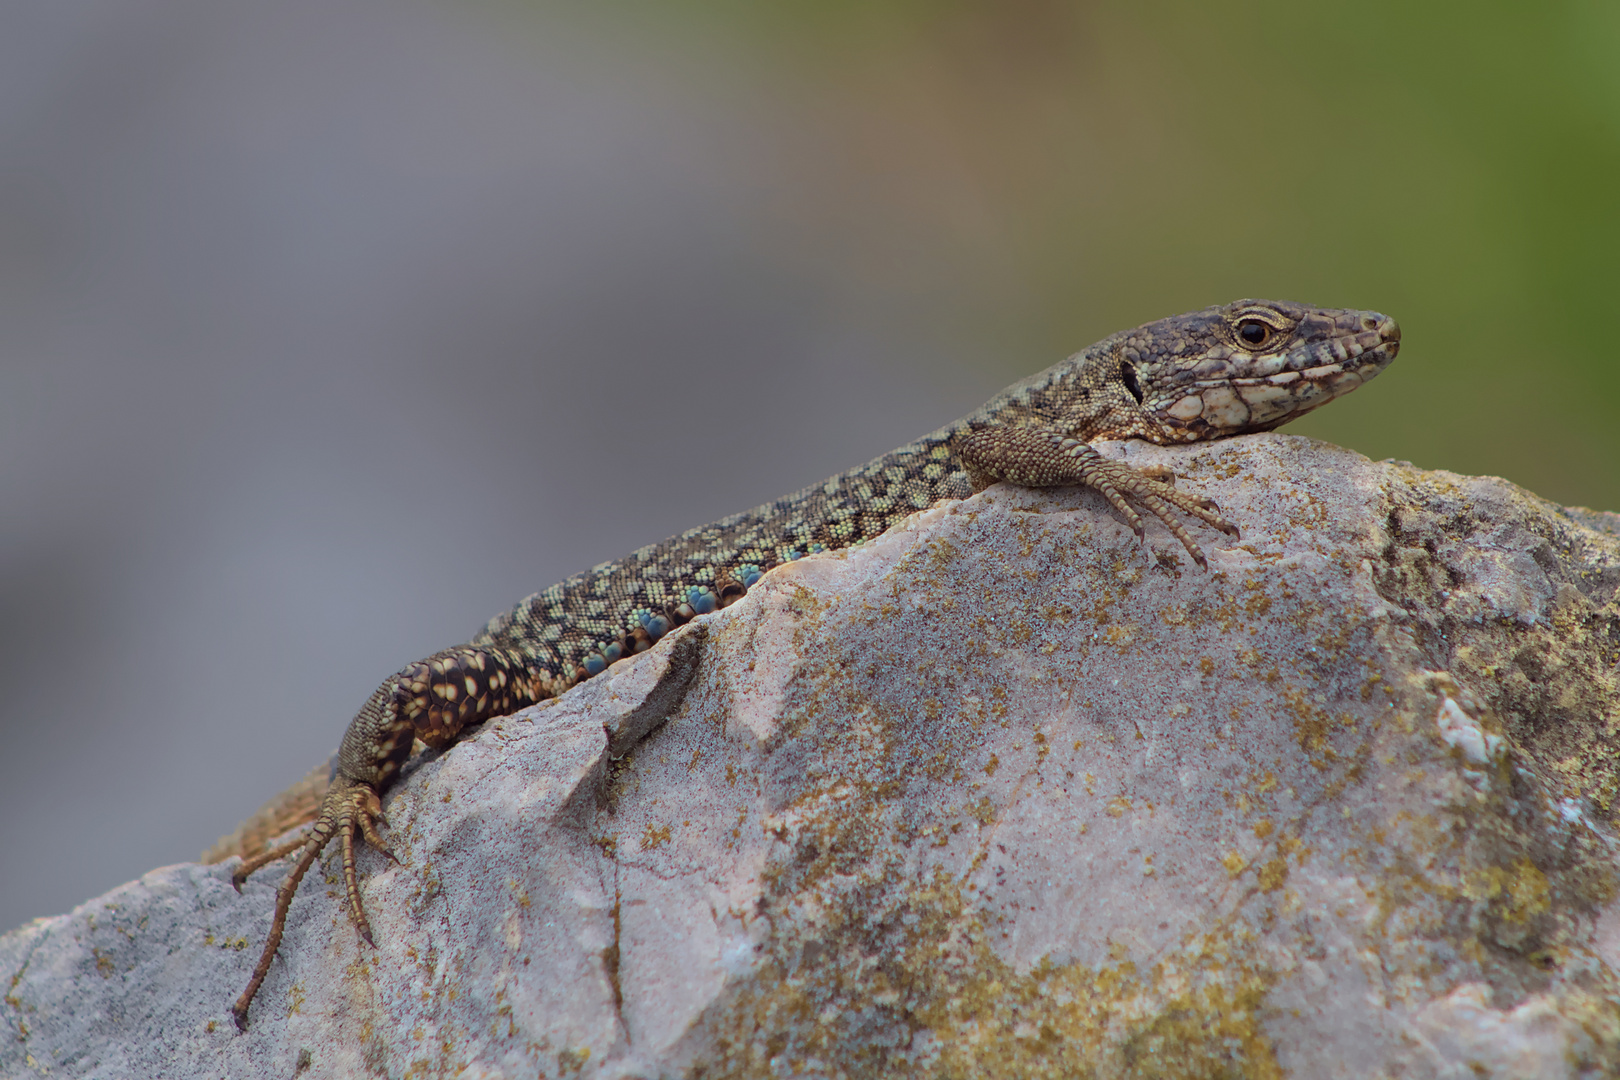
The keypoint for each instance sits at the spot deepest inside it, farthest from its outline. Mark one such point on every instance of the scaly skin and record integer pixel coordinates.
(1244, 367)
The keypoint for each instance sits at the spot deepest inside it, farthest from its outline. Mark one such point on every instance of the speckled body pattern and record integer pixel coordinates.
(1243, 367)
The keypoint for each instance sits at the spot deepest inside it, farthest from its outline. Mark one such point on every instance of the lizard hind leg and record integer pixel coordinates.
(349, 807)
(312, 844)
(263, 859)
(358, 809)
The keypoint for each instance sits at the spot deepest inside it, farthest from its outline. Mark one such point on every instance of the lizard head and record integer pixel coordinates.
(1247, 366)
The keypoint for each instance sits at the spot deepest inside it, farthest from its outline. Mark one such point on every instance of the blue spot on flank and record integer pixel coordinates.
(792, 555)
(655, 624)
(613, 652)
(749, 574)
(702, 600)
(817, 549)
(595, 664)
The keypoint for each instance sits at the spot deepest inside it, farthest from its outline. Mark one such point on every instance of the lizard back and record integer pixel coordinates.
(580, 625)
(1186, 379)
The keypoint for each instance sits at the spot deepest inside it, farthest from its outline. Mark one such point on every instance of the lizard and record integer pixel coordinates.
(1248, 366)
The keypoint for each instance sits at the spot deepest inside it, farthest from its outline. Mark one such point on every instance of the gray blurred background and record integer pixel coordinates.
(329, 329)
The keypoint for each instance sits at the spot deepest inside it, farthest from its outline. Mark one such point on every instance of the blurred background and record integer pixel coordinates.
(330, 328)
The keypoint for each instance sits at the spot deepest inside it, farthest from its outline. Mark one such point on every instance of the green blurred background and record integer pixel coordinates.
(329, 328)
(1029, 172)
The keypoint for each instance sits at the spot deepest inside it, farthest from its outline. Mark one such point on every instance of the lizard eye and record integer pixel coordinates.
(1254, 333)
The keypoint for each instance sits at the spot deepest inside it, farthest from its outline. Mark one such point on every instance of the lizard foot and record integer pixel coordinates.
(1040, 457)
(349, 807)
(1115, 480)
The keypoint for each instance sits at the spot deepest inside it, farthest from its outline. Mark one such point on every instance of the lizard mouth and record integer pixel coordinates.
(1373, 344)
(1236, 393)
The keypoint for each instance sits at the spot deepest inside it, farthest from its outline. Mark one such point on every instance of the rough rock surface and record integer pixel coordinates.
(1000, 794)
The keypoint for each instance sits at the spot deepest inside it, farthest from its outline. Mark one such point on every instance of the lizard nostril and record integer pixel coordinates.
(1385, 327)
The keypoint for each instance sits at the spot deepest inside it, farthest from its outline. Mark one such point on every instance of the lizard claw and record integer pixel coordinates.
(1164, 474)
(264, 858)
(368, 821)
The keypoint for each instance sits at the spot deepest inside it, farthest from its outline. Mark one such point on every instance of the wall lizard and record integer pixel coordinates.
(1243, 367)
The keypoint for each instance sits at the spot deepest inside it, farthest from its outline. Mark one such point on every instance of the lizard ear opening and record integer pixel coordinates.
(1127, 375)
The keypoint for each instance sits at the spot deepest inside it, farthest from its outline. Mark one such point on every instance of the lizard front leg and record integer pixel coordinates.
(431, 700)
(1044, 457)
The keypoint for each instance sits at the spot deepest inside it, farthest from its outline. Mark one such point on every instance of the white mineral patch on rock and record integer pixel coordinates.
(1002, 793)
(1462, 731)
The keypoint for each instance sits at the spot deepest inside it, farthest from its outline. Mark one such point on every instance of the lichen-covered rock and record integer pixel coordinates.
(1000, 794)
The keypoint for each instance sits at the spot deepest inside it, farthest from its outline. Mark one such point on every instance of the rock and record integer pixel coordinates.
(1002, 793)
